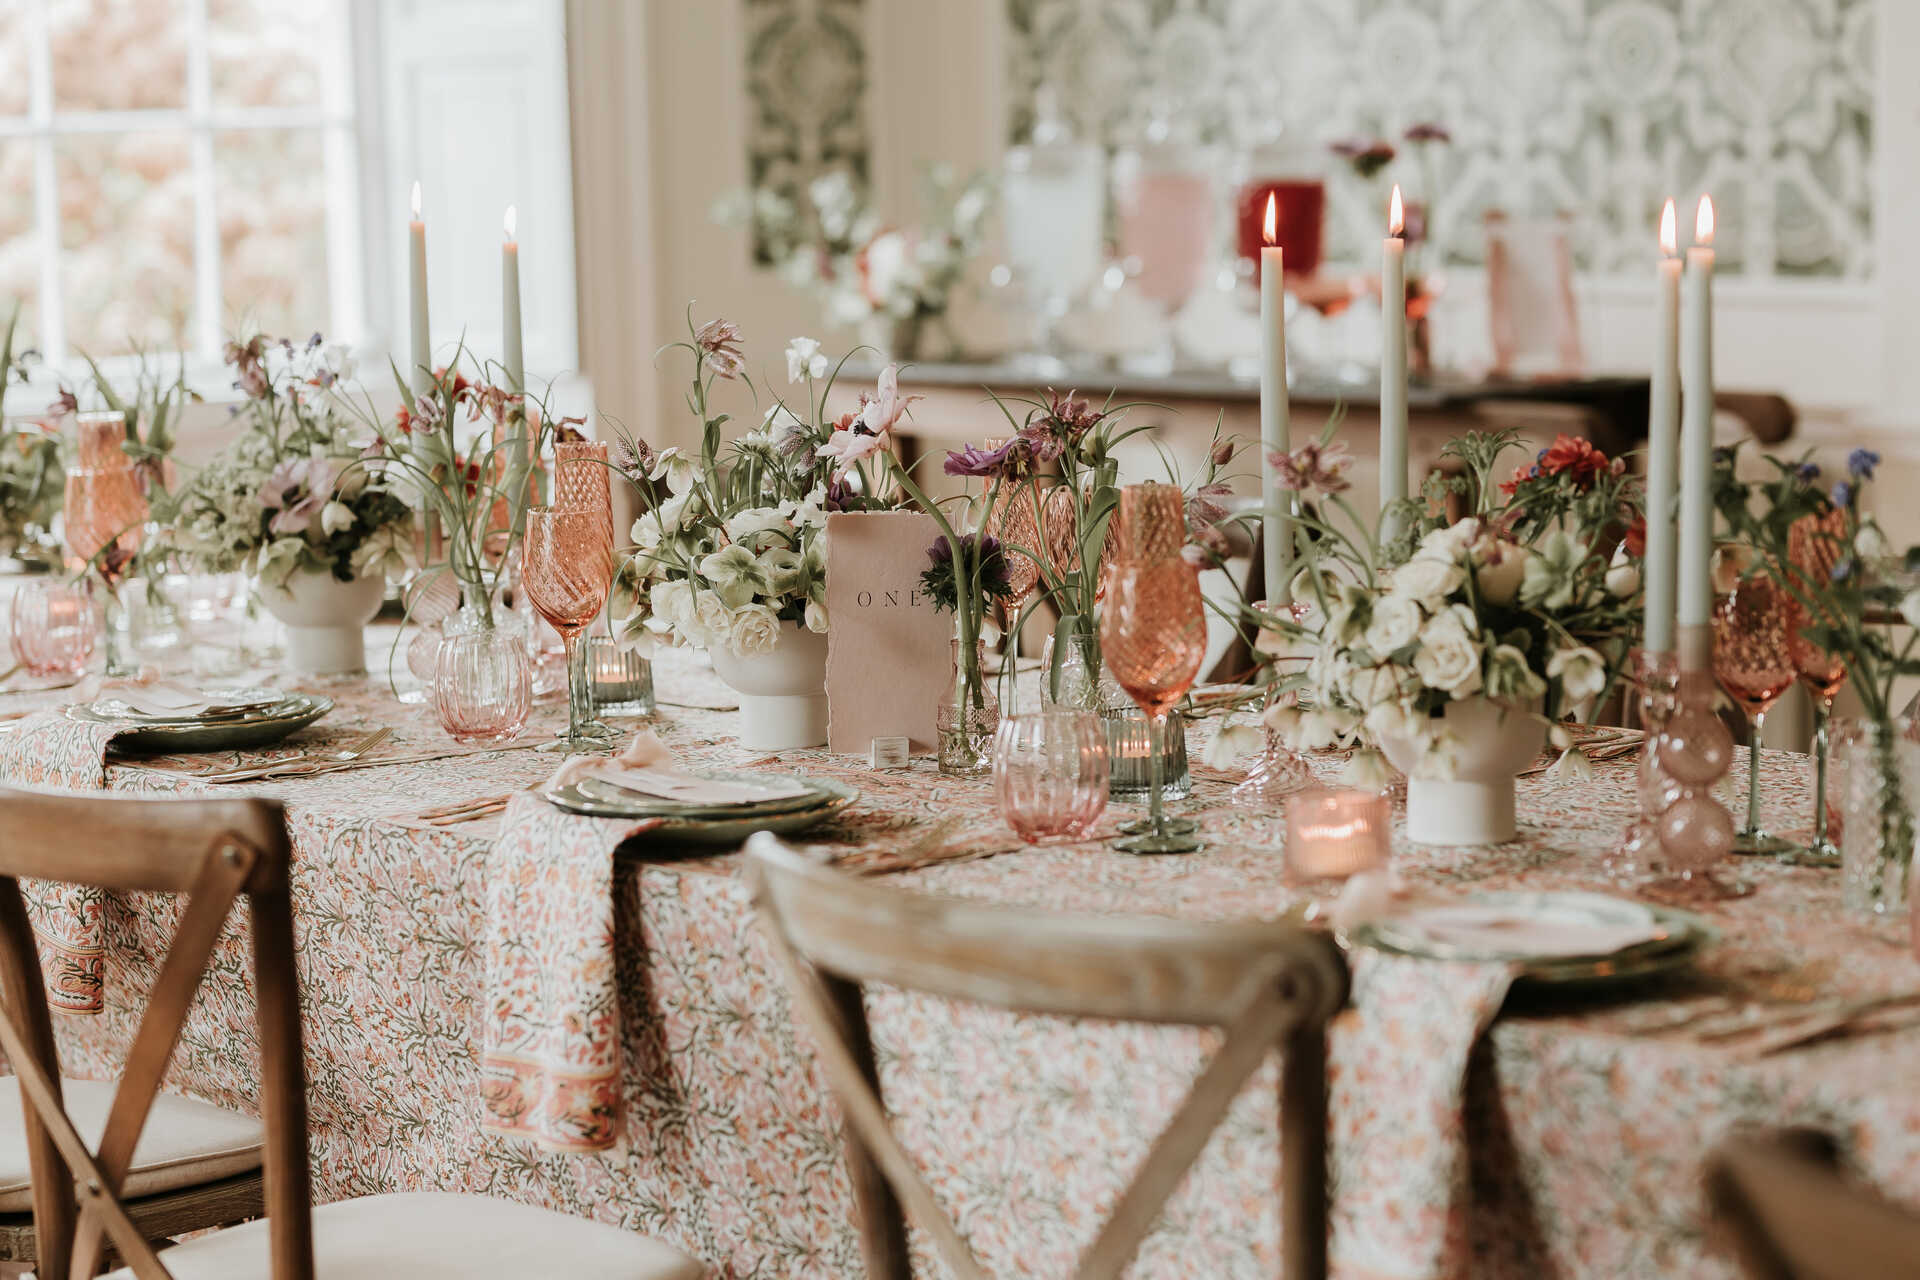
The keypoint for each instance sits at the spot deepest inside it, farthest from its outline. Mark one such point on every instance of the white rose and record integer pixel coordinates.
(1581, 672)
(755, 629)
(1449, 543)
(336, 517)
(1448, 658)
(672, 514)
(1499, 566)
(711, 620)
(671, 607)
(816, 617)
(1370, 686)
(1427, 577)
(1396, 621)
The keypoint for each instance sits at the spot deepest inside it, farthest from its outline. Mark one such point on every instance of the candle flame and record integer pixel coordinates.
(1703, 222)
(1396, 213)
(1669, 235)
(510, 221)
(1272, 224)
(416, 199)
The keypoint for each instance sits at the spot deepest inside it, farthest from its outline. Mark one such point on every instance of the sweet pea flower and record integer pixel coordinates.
(888, 405)
(805, 360)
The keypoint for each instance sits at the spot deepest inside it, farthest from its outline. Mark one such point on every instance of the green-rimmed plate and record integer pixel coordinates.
(228, 705)
(299, 711)
(1438, 931)
(1681, 936)
(834, 797)
(635, 804)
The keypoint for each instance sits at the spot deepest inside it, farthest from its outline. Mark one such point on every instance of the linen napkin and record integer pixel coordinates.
(647, 768)
(157, 697)
(1400, 1179)
(550, 1046)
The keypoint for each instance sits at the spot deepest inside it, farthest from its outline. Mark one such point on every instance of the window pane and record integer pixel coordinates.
(126, 228)
(19, 244)
(270, 197)
(116, 55)
(268, 53)
(13, 60)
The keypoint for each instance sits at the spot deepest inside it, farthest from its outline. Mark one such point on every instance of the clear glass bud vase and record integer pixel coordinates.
(968, 716)
(1880, 777)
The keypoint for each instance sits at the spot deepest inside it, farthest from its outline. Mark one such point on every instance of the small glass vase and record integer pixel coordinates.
(482, 683)
(968, 716)
(1073, 678)
(1879, 769)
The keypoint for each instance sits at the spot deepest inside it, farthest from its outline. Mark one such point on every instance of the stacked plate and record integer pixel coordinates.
(1558, 938)
(172, 718)
(706, 806)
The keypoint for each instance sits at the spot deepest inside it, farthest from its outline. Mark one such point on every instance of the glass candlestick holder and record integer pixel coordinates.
(1638, 855)
(1695, 831)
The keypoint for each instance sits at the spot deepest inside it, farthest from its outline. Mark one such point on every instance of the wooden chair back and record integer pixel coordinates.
(1267, 985)
(1791, 1214)
(212, 852)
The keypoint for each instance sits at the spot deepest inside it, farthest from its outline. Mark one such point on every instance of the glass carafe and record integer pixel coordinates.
(1053, 196)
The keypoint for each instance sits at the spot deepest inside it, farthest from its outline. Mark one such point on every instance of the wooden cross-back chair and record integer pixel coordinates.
(215, 853)
(1791, 1214)
(1266, 985)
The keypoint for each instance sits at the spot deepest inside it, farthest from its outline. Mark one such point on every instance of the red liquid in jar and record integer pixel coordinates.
(1300, 211)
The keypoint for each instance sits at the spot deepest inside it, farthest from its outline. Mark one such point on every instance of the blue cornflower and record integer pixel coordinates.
(1861, 463)
(1841, 494)
(1843, 569)
(1808, 471)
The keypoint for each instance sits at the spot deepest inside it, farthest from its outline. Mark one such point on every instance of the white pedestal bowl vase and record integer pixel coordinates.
(783, 694)
(1494, 742)
(325, 619)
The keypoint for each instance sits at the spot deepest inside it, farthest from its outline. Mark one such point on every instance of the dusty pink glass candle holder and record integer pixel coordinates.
(1336, 834)
(54, 627)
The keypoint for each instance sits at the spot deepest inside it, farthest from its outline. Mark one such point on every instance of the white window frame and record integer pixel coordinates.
(346, 71)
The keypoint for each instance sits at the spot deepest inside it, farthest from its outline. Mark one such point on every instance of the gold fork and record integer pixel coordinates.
(352, 751)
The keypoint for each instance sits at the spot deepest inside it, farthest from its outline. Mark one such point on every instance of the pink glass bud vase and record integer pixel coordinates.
(482, 681)
(54, 627)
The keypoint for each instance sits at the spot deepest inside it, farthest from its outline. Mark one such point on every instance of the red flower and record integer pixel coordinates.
(1520, 476)
(1636, 538)
(1573, 456)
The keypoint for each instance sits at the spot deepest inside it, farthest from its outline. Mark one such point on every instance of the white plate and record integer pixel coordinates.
(1525, 927)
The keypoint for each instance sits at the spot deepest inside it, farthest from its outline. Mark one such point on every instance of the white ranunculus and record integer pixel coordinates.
(1396, 621)
(1498, 569)
(336, 517)
(1448, 658)
(1450, 543)
(1582, 673)
(1427, 578)
(1232, 746)
(671, 607)
(755, 629)
(816, 617)
(805, 360)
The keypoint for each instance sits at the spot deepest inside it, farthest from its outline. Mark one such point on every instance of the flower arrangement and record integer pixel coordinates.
(30, 470)
(862, 269)
(1521, 602)
(301, 488)
(1851, 590)
(729, 544)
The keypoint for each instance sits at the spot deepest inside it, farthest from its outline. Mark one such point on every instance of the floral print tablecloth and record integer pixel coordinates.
(1582, 1138)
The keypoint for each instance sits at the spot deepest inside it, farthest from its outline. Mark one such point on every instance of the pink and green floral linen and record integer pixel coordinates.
(1558, 1141)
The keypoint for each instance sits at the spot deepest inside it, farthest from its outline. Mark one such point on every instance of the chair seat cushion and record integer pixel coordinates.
(435, 1236)
(186, 1142)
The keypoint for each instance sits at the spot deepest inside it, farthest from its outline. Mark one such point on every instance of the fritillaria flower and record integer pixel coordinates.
(1313, 466)
(720, 341)
(1010, 461)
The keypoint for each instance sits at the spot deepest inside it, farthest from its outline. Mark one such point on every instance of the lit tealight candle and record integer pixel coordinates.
(1336, 833)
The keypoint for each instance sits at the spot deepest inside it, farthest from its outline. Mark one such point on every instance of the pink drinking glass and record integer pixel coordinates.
(54, 628)
(1050, 774)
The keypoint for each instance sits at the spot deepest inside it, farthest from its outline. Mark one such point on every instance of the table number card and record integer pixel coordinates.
(889, 655)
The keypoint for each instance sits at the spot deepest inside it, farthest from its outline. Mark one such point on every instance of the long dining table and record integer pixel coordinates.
(1565, 1138)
